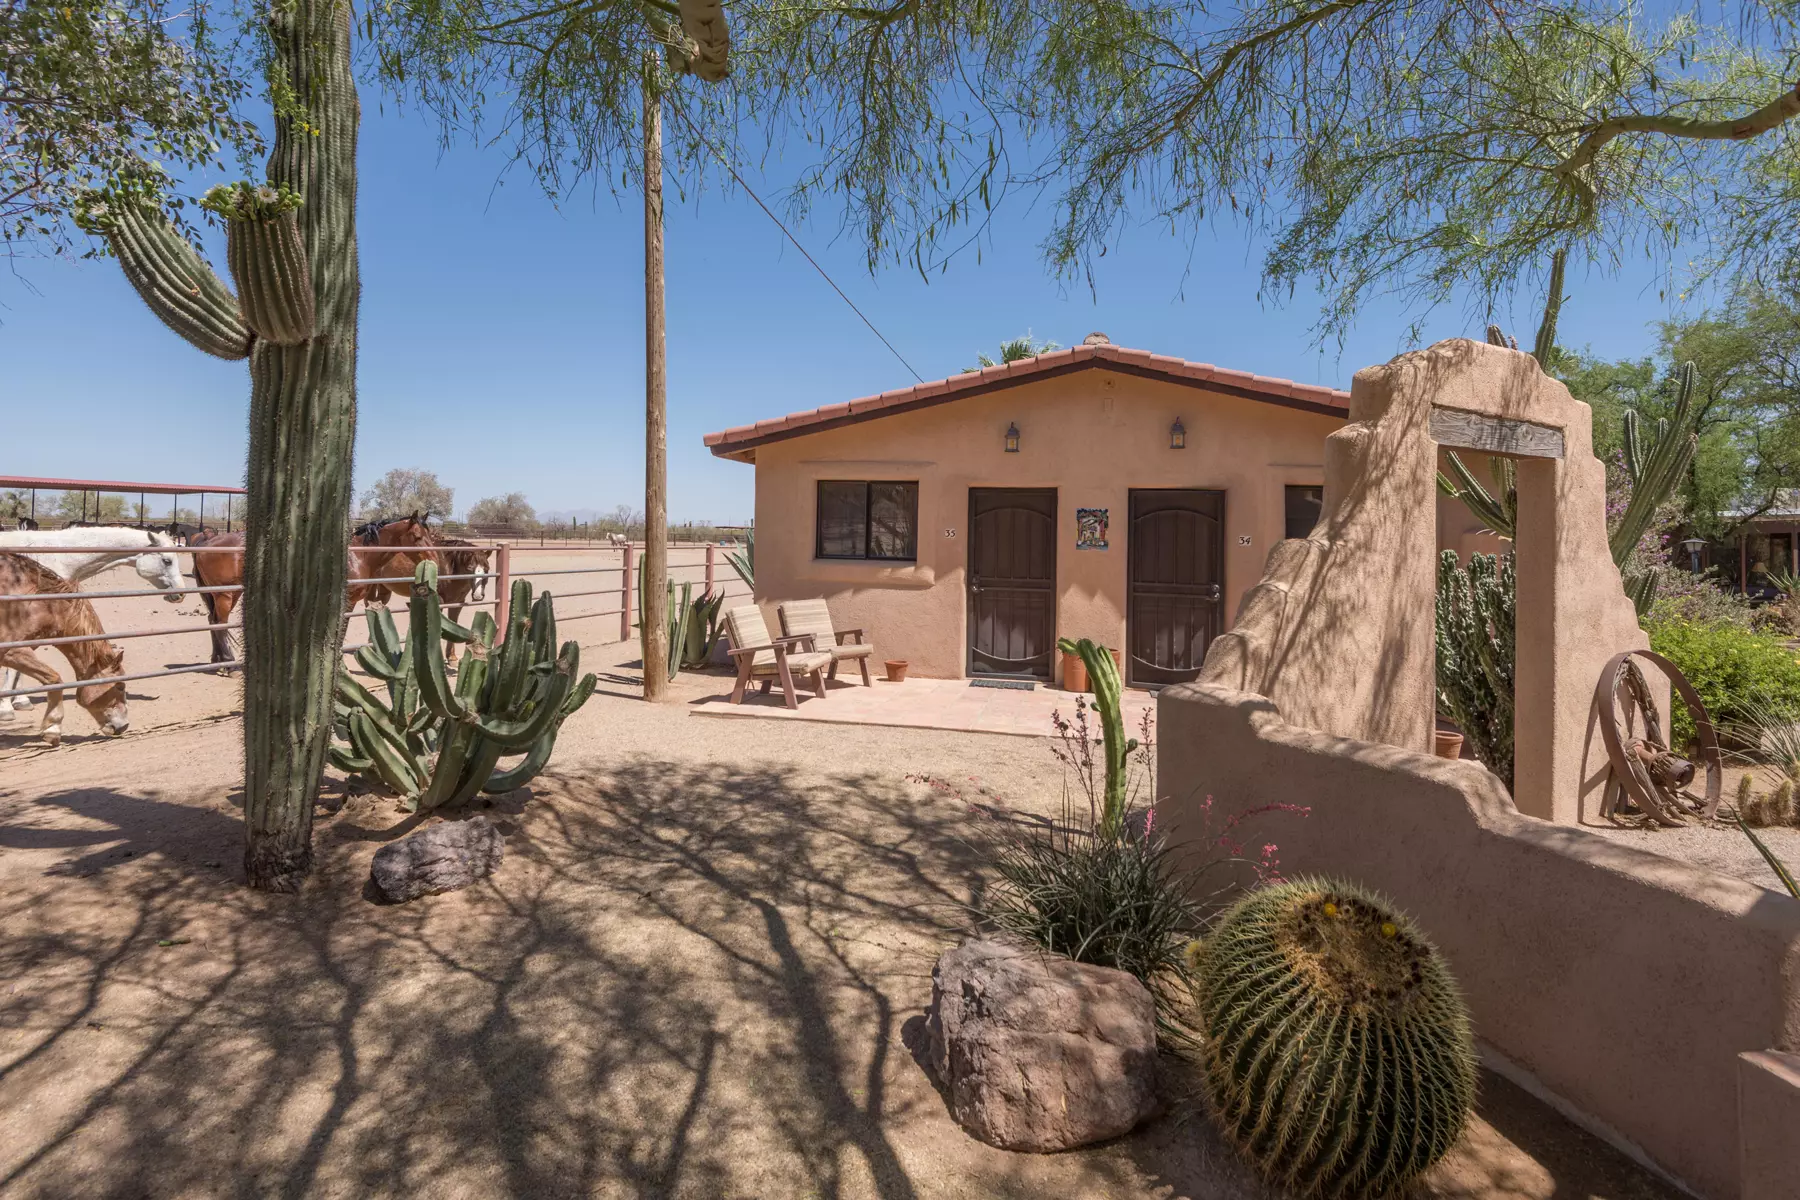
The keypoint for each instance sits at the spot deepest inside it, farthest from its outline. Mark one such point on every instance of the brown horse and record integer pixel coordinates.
(61, 614)
(406, 532)
(220, 570)
(461, 557)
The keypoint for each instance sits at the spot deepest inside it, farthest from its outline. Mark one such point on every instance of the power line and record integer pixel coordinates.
(724, 162)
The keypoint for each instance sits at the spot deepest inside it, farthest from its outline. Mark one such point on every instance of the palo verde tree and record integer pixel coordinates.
(291, 248)
(1423, 148)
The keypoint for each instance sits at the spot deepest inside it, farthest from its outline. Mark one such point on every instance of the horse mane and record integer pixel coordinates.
(42, 578)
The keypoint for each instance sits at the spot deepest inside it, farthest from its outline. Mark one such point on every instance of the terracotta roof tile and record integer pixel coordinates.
(739, 438)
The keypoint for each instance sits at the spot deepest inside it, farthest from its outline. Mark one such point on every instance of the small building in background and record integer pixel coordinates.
(1094, 491)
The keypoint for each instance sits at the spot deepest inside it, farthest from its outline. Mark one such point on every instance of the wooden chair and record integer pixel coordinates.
(801, 617)
(759, 656)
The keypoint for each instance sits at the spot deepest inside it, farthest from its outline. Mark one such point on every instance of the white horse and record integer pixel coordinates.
(108, 545)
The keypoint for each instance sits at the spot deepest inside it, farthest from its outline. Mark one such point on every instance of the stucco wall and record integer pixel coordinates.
(1625, 983)
(1092, 435)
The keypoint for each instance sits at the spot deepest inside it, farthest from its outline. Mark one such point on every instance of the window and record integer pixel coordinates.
(862, 519)
(1303, 507)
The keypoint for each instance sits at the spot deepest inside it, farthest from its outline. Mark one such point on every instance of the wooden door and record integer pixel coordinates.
(1173, 592)
(1012, 581)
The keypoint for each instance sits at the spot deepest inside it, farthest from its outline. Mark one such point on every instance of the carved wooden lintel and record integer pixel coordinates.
(1494, 435)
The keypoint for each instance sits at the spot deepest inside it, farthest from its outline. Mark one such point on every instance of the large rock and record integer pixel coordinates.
(443, 858)
(1039, 1052)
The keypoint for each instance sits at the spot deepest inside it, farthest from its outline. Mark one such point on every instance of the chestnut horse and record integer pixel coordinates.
(221, 570)
(62, 613)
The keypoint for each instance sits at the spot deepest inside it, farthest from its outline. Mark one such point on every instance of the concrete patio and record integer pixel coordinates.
(951, 704)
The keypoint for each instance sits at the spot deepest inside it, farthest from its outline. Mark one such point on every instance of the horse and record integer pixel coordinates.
(395, 531)
(110, 544)
(461, 557)
(62, 613)
(220, 570)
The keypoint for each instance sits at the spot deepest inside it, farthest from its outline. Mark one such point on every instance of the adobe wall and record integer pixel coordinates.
(1093, 435)
(1340, 631)
(1625, 983)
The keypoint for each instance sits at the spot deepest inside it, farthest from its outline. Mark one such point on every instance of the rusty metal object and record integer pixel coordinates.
(1642, 770)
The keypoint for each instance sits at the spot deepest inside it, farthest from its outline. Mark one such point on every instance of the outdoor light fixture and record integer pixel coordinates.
(1012, 437)
(1693, 546)
(1178, 435)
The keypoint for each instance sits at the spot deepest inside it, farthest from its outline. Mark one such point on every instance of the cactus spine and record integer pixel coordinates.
(1340, 1057)
(436, 743)
(1103, 677)
(1475, 628)
(302, 413)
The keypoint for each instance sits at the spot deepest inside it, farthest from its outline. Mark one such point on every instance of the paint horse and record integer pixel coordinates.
(107, 545)
(60, 612)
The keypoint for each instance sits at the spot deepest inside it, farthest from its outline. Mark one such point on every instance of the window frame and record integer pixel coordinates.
(1287, 492)
(868, 486)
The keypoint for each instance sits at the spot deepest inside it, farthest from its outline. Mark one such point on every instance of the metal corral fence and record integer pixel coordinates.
(712, 573)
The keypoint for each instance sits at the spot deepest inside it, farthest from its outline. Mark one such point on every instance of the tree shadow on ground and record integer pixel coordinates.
(684, 980)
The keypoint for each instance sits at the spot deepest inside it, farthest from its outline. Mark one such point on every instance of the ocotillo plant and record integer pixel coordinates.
(1109, 690)
(292, 253)
(436, 743)
(1475, 626)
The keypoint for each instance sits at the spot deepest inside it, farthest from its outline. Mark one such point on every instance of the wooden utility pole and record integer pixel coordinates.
(656, 405)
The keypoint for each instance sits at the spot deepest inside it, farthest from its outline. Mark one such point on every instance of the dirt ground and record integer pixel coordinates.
(700, 971)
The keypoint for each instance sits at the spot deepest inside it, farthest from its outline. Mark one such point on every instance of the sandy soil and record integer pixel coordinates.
(699, 972)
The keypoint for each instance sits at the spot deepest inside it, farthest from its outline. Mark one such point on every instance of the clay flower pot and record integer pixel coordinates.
(896, 669)
(1074, 673)
(1448, 744)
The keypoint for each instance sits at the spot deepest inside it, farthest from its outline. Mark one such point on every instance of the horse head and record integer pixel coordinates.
(160, 568)
(404, 531)
(105, 702)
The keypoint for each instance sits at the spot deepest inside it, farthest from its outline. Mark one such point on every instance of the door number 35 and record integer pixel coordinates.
(949, 533)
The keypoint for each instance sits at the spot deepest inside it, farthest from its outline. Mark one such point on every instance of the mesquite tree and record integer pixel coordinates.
(292, 254)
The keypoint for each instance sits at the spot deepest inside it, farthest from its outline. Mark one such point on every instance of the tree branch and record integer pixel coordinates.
(1784, 108)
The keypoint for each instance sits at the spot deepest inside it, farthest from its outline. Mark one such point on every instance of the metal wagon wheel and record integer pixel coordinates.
(1644, 774)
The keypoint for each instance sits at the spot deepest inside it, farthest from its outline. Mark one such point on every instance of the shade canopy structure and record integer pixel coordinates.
(36, 483)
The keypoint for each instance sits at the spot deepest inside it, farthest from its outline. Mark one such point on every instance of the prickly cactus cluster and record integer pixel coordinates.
(1339, 1054)
(1475, 632)
(436, 743)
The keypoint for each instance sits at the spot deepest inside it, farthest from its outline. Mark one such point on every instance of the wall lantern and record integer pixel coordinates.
(1012, 437)
(1693, 546)
(1178, 435)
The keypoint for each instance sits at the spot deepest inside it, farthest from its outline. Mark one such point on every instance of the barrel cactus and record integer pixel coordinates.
(436, 743)
(1339, 1053)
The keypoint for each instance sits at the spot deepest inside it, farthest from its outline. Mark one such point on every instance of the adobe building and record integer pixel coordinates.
(1094, 491)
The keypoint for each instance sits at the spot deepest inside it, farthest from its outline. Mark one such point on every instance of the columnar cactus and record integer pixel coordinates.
(436, 743)
(1109, 690)
(1340, 1057)
(1475, 630)
(294, 259)
(1656, 466)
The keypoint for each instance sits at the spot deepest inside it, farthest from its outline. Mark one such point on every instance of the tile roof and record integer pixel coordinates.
(740, 441)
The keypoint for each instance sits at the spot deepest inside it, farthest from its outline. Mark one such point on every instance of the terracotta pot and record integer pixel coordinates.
(896, 669)
(1448, 744)
(1074, 673)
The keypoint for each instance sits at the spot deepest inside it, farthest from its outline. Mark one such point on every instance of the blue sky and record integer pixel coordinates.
(502, 338)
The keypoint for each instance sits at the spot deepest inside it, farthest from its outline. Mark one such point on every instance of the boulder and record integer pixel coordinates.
(1038, 1052)
(442, 858)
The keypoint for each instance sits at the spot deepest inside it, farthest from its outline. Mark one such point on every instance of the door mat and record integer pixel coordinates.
(1016, 685)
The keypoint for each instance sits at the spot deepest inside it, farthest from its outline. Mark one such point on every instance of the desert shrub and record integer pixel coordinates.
(1736, 671)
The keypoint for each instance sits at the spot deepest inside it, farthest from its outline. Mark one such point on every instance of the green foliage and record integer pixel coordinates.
(404, 491)
(1340, 1057)
(1013, 351)
(436, 743)
(744, 561)
(1775, 864)
(1735, 671)
(1103, 677)
(511, 509)
(1475, 629)
(95, 95)
(702, 629)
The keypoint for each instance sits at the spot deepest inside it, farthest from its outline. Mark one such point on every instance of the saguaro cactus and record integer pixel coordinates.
(292, 251)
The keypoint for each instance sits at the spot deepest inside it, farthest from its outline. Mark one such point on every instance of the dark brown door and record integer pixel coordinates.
(1176, 550)
(1012, 581)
